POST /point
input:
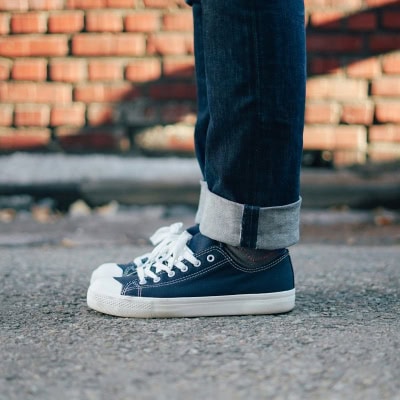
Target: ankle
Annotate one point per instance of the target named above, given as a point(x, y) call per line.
point(253, 257)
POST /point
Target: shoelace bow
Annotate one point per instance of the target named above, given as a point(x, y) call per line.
point(162, 239)
point(169, 254)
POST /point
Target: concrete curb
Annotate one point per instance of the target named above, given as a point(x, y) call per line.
point(143, 181)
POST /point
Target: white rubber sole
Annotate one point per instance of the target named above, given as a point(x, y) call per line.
point(142, 307)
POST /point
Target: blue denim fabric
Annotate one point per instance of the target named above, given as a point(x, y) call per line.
point(251, 76)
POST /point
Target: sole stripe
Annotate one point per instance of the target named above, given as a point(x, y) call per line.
point(144, 307)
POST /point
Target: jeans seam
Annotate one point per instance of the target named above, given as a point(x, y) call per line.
point(256, 50)
point(249, 228)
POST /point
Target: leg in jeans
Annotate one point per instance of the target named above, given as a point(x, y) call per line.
point(250, 68)
point(254, 61)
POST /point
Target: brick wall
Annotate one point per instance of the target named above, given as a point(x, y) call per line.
point(89, 75)
point(353, 91)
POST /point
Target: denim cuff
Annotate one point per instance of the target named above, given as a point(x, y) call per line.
point(248, 226)
point(200, 208)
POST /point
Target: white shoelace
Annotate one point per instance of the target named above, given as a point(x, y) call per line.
point(163, 240)
point(168, 258)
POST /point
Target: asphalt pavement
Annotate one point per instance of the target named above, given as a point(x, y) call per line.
point(342, 341)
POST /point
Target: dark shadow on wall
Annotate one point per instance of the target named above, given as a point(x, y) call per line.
point(342, 41)
point(121, 112)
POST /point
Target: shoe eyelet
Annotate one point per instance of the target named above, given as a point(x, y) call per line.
point(156, 280)
point(210, 258)
point(171, 274)
point(185, 269)
point(197, 264)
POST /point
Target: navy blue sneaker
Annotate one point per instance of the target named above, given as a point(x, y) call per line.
point(163, 240)
point(200, 278)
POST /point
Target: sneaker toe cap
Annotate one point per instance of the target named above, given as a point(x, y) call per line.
point(107, 286)
point(103, 293)
point(107, 270)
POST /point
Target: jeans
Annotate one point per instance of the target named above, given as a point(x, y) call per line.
point(251, 73)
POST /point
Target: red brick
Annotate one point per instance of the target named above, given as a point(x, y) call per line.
point(32, 22)
point(105, 70)
point(172, 138)
point(384, 42)
point(24, 139)
point(46, 4)
point(322, 65)
point(391, 19)
point(317, 113)
point(384, 152)
point(66, 22)
point(386, 86)
point(334, 88)
point(333, 137)
point(179, 112)
point(334, 43)
point(326, 19)
point(103, 21)
point(178, 21)
point(68, 70)
point(20, 46)
point(358, 113)
point(388, 111)
point(180, 142)
point(94, 139)
point(178, 68)
point(120, 3)
point(384, 133)
point(169, 44)
point(5, 67)
point(164, 3)
point(366, 21)
point(4, 24)
point(173, 91)
point(391, 63)
point(143, 70)
point(142, 22)
point(14, 5)
point(69, 114)
point(140, 112)
point(341, 4)
point(18, 92)
point(6, 114)
point(122, 44)
point(364, 68)
point(101, 114)
point(86, 4)
point(350, 157)
point(379, 3)
point(29, 69)
point(32, 115)
point(99, 92)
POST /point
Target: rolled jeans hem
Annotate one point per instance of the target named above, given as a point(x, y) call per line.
point(248, 226)
point(200, 208)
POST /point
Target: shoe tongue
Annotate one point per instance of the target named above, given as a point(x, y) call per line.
point(193, 229)
point(200, 242)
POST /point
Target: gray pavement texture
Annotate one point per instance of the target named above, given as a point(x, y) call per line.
point(342, 341)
